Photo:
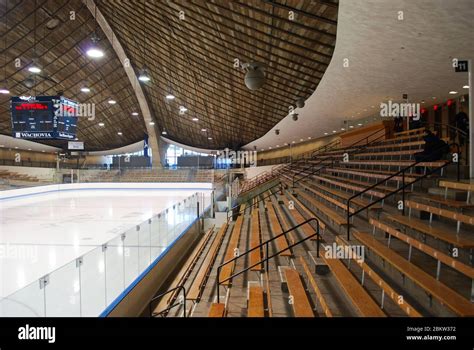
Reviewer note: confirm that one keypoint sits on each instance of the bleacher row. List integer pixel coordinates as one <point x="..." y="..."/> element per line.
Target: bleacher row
<point x="417" y="264"/>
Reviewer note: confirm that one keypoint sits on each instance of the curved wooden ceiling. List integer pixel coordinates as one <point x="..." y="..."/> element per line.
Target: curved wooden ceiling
<point x="194" y="57"/>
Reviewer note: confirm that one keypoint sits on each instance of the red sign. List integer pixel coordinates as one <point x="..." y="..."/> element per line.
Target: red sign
<point x="31" y="107"/>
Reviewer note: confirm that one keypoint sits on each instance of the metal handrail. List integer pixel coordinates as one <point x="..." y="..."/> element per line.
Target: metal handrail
<point x="267" y="257"/>
<point x="332" y="158"/>
<point x="231" y="210"/>
<point x="181" y="289"/>
<point x="404" y="185"/>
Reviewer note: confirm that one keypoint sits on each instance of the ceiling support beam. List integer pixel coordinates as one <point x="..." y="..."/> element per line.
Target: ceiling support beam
<point x="140" y="94"/>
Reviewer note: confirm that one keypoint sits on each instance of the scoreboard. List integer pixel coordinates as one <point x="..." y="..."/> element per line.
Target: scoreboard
<point x="43" y="117"/>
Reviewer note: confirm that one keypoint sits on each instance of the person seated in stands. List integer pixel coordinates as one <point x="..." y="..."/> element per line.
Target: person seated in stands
<point x="462" y="123"/>
<point x="398" y="124"/>
<point x="434" y="149"/>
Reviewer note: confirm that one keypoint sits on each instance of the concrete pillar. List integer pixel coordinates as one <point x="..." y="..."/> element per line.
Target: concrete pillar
<point x="120" y="52"/>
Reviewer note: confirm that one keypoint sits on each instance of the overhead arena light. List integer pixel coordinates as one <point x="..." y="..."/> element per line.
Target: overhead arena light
<point x="164" y="132"/>
<point x="112" y="102"/>
<point x="195" y="119"/>
<point x="34" y="67"/>
<point x="170" y="96"/>
<point x="85" y="89"/>
<point x="134" y="113"/>
<point x="151" y="123"/>
<point x="119" y="133"/>
<point x="94" y="51"/>
<point x="101" y="124"/>
<point x="144" y="75"/>
<point x="182" y="109"/>
<point x="453" y="92"/>
<point x="4" y="90"/>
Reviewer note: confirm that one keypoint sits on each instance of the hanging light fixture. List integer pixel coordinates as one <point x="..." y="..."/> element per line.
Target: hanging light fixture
<point x="4" y="87"/>
<point x="170" y="96"/>
<point x="34" y="66"/>
<point x="144" y="75"/>
<point x="94" y="51"/>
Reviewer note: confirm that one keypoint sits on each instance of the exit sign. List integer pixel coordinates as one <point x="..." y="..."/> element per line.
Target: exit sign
<point x="461" y="67"/>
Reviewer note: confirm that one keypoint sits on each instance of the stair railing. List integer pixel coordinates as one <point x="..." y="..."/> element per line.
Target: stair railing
<point x="267" y="257"/>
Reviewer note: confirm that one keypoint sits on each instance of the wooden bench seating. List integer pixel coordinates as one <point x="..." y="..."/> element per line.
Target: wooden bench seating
<point x="255" y="307"/>
<point x="362" y="301"/>
<point x="464" y="186"/>
<point x="183" y="274"/>
<point x="425" y="248"/>
<point x="206" y="266"/>
<point x="232" y="249"/>
<point x="358" y="201"/>
<point x="449" y="214"/>
<point x="389" y="153"/>
<point x="276" y="228"/>
<point x="402" y="163"/>
<point x="255" y="255"/>
<point x="420" y="226"/>
<point x="328" y="198"/>
<point x="446" y="296"/>
<point x="301" y="305"/>
<point x="412" y="131"/>
<point x="370" y="174"/>
<point x="444" y="201"/>
<point x="299" y="218"/>
<point x="217" y="310"/>
<point x="317" y="290"/>
<point x="330" y="213"/>
<point x="379" y="281"/>
<point x="355" y="185"/>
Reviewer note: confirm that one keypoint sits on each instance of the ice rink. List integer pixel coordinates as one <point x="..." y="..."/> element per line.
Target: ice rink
<point x="43" y="232"/>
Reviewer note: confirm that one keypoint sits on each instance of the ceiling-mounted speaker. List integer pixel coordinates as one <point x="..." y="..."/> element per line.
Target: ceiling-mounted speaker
<point x="277" y="131"/>
<point x="294" y="117"/>
<point x="300" y="102"/>
<point x="29" y="82"/>
<point x="255" y="76"/>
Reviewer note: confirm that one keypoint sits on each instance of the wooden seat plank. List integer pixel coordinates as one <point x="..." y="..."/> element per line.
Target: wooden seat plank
<point x="379" y="281"/>
<point x="276" y="229"/>
<point x="317" y="290"/>
<point x="217" y="310"/>
<point x="449" y="214"/>
<point x="196" y="286"/>
<point x="446" y="296"/>
<point x="301" y="305"/>
<point x="231" y="251"/>
<point x="425" y="248"/>
<point x="255" y="255"/>
<point x="362" y="301"/>
<point x="255" y="302"/>
<point x="418" y="225"/>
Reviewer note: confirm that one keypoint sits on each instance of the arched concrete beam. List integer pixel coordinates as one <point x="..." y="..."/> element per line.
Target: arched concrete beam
<point x="117" y="46"/>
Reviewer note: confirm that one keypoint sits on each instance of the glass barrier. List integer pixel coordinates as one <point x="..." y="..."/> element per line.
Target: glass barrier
<point x="87" y="285"/>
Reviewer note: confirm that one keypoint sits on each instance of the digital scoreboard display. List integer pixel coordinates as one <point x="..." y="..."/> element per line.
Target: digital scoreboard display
<point x="43" y="117"/>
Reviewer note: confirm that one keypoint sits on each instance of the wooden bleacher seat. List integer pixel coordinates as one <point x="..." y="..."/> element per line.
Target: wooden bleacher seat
<point x="217" y="310"/>
<point x="444" y="201"/>
<point x="434" y="232"/>
<point x="425" y="248"/>
<point x="317" y="290"/>
<point x="255" y="255"/>
<point x="438" y="290"/>
<point x="412" y="131"/>
<point x="449" y="214"/>
<point x="205" y="268"/>
<point x="402" y="163"/>
<point x="379" y="281"/>
<point x="256" y="307"/>
<point x="345" y="195"/>
<point x="389" y="153"/>
<point x="371" y="174"/>
<point x="362" y="301"/>
<point x="330" y="213"/>
<point x="184" y="272"/>
<point x="301" y="305"/>
<point x="275" y="227"/>
<point x="299" y="218"/>
<point x="350" y="185"/>
<point x="230" y="253"/>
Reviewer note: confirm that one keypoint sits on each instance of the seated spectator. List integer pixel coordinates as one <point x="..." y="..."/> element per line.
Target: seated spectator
<point x="435" y="148"/>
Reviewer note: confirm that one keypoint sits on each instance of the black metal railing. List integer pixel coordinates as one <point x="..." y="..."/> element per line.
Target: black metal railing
<point x="181" y="289"/>
<point x="332" y="159"/>
<point x="231" y="210"/>
<point x="267" y="256"/>
<point x="403" y="174"/>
